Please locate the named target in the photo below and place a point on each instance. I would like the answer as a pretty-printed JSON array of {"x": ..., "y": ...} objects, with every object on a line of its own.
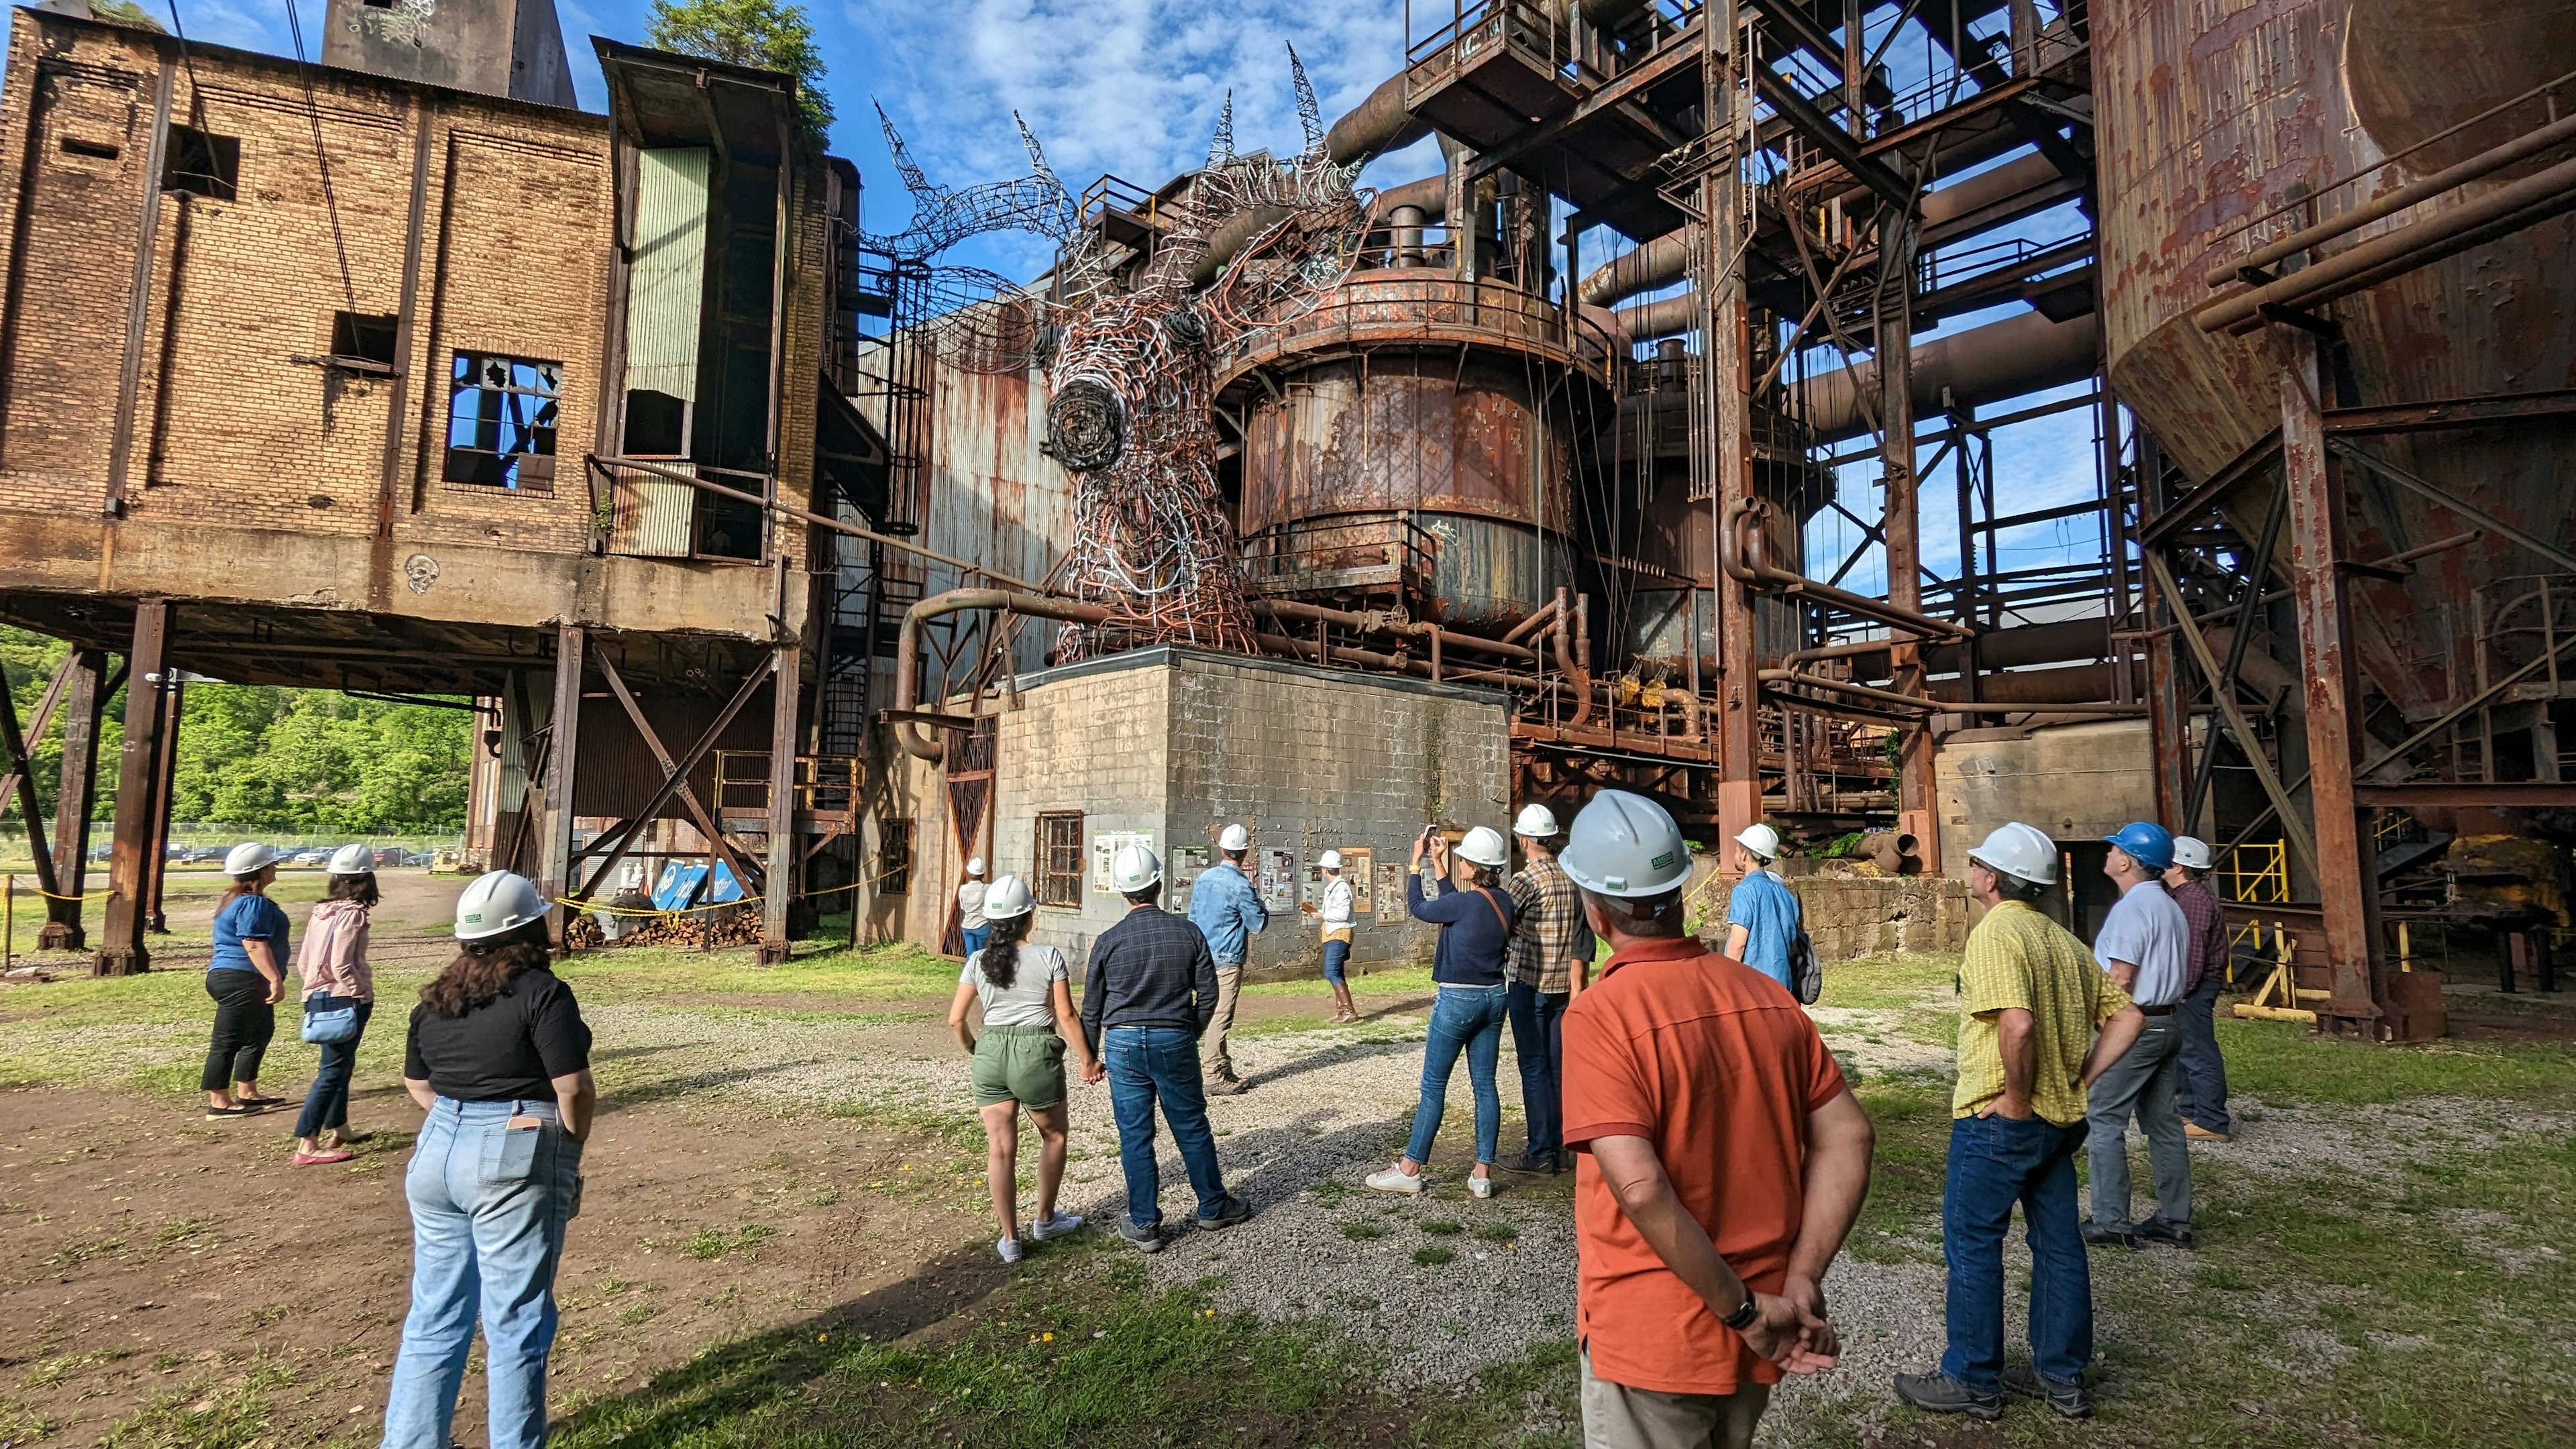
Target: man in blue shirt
[
  {"x": 2145, "y": 946},
  {"x": 1227, "y": 910},
  {"x": 1762, "y": 912}
]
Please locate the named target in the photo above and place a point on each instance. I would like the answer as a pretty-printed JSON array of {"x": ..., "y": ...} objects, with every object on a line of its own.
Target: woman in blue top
[
  {"x": 1475, "y": 919},
  {"x": 247, "y": 978}
]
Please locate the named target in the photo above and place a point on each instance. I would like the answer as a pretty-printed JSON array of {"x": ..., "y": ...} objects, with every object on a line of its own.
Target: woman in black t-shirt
[{"x": 499, "y": 1057}]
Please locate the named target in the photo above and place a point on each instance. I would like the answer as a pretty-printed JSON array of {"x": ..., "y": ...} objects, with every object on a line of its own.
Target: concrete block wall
[
  {"x": 1850, "y": 917},
  {"x": 2075, "y": 781},
  {"x": 1096, "y": 741}
]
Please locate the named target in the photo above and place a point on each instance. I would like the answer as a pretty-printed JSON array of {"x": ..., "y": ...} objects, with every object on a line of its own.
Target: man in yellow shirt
[{"x": 2030, "y": 1001}]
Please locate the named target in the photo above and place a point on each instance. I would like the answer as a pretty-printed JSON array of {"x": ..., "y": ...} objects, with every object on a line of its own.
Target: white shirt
[
  {"x": 970, "y": 904},
  {"x": 1337, "y": 902},
  {"x": 1025, "y": 1003},
  {"x": 2146, "y": 929}
]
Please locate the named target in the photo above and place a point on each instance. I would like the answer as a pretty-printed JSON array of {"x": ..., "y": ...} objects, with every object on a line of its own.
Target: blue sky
[{"x": 1134, "y": 87}]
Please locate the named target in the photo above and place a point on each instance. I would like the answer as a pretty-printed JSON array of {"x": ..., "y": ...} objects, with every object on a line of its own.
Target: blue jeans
[
  {"x": 1540, "y": 1047},
  {"x": 1468, "y": 1019},
  {"x": 975, "y": 938},
  {"x": 488, "y": 1210},
  {"x": 326, "y": 1102},
  {"x": 2204, "y": 1072},
  {"x": 1994, "y": 1163},
  {"x": 1337, "y": 957},
  {"x": 1159, "y": 1064}
]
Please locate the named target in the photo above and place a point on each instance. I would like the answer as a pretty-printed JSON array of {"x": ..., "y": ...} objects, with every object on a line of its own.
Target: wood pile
[{"x": 734, "y": 926}]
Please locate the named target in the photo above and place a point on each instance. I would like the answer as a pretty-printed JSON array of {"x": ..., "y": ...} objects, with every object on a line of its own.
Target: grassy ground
[{"x": 2386, "y": 1258}]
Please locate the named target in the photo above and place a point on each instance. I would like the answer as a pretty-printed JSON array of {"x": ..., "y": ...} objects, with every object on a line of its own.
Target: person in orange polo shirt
[{"x": 1720, "y": 1158}]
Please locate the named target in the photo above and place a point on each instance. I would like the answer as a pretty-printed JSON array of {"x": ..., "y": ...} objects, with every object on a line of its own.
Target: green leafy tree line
[{"x": 308, "y": 761}]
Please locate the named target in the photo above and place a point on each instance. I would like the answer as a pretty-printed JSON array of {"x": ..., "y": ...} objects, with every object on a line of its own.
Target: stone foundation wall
[{"x": 1849, "y": 917}]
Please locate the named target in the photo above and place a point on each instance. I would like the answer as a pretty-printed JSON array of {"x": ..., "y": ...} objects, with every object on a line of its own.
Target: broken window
[
  {"x": 201, "y": 163},
  {"x": 1060, "y": 858},
  {"x": 365, "y": 339},
  {"x": 657, "y": 424},
  {"x": 501, "y": 421},
  {"x": 894, "y": 857}
]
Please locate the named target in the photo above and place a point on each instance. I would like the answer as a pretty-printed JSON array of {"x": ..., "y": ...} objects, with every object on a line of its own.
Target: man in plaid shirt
[{"x": 1551, "y": 955}]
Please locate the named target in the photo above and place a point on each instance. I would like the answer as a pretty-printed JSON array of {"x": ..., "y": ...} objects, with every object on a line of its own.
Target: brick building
[{"x": 311, "y": 376}]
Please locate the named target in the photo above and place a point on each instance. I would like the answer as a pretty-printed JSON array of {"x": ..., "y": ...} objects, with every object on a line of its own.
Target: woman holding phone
[{"x": 1475, "y": 919}]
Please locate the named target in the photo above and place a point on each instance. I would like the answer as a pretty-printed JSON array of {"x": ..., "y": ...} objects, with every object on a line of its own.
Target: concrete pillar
[
  {"x": 778, "y": 893},
  {"x": 2346, "y": 868},
  {"x": 76, "y": 799},
  {"x": 121, "y": 951},
  {"x": 554, "y": 842}
]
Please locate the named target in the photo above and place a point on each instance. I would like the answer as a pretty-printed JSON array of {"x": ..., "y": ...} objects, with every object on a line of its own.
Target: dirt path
[{"x": 152, "y": 1264}]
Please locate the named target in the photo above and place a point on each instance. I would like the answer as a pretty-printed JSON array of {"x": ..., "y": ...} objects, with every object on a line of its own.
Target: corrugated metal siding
[
  {"x": 665, "y": 294},
  {"x": 994, "y": 497}
]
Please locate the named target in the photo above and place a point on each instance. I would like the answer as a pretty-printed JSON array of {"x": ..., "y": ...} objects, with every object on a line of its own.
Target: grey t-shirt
[
  {"x": 1025, "y": 1003},
  {"x": 2146, "y": 929}
]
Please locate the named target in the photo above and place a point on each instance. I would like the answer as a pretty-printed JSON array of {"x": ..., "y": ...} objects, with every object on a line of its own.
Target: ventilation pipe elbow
[
  {"x": 907, "y": 654},
  {"x": 1379, "y": 124}
]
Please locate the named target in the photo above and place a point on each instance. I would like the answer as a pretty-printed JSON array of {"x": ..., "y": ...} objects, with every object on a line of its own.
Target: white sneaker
[
  {"x": 1009, "y": 1248},
  {"x": 1481, "y": 1186},
  {"x": 1055, "y": 1227},
  {"x": 1396, "y": 1179}
]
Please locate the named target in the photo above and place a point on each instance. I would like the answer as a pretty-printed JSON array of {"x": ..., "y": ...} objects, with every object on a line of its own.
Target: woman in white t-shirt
[{"x": 1019, "y": 1057}]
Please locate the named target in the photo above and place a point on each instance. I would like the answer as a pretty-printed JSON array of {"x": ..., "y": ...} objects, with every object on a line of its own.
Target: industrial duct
[
  {"x": 1430, "y": 196},
  {"x": 1380, "y": 123},
  {"x": 2020, "y": 354}
]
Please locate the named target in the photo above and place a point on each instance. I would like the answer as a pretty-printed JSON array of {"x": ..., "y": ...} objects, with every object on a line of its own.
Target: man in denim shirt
[{"x": 1227, "y": 910}]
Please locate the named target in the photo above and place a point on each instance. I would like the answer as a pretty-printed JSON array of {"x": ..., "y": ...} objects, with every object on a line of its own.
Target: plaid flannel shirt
[
  {"x": 1551, "y": 931},
  {"x": 2208, "y": 921}
]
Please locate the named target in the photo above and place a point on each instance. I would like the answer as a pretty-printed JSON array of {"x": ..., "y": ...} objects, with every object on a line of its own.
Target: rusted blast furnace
[
  {"x": 2208, "y": 124},
  {"x": 1413, "y": 441}
]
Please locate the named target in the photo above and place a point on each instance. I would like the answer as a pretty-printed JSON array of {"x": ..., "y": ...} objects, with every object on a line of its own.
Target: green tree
[{"x": 763, "y": 34}]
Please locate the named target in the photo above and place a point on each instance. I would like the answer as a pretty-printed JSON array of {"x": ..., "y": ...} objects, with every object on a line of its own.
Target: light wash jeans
[
  {"x": 488, "y": 1210},
  {"x": 1468, "y": 1019}
]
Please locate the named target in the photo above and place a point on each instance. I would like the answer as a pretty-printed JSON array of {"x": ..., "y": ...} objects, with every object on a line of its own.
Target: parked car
[{"x": 315, "y": 856}]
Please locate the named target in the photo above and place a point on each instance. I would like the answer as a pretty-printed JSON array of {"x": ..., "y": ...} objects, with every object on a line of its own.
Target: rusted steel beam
[
  {"x": 21, "y": 780},
  {"x": 2462, "y": 412},
  {"x": 2446, "y": 499},
  {"x": 676, "y": 774},
  {"x": 173, "y": 703},
  {"x": 1725, "y": 476},
  {"x": 2295, "y": 831},
  {"x": 778, "y": 888},
  {"x": 2343, "y": 850},
  {"x": 2255, "y": 576},
  {"x": 688, "y": 795},
  {"x": 2483, "y": 794},
  {"x": 2196, "y": 504},
  {"x": 1832, "y": 139},
  {"x": 121, "y": 951},
  {"x": 554, "y": 847},
  {"x": 76, "y": 799}
]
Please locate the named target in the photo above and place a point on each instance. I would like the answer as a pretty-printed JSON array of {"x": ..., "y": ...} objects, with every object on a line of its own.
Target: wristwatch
[{"x": 1742, "y": 1318}]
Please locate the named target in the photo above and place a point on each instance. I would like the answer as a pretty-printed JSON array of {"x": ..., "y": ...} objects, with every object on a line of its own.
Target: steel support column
[
  {"x": 75, "y": 799},
  {"x": 2343, "y": 849},
  {"x": 173, "y": 700},
  {"x": 1917, "y": 809},
  {"x": 778, "y": 891},
  {"x": 563, "y": 739},
  {"x": 121, "y": 951},
  {"x": 2169, "y": 720},
  {"x": 1727, "y": 422}
]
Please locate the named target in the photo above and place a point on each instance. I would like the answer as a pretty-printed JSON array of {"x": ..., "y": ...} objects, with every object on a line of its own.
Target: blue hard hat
[{"x": 2147, "y": 843}]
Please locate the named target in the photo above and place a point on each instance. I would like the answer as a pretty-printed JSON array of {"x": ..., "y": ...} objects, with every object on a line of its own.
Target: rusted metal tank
[
  {"x": 1414, "y": 434},
  {"x": 2211, "y": 115}
]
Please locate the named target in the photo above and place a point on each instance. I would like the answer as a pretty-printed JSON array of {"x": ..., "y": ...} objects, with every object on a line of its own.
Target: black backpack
[{"x": 1804, "y": 970}]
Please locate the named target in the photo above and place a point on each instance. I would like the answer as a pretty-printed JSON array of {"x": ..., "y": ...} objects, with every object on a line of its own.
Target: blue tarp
[{"x": 680, "y": 881}]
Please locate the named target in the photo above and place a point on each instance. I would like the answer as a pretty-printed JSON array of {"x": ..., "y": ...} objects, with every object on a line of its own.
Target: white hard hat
[
  {"x": 2019, "y": 850},
  {"x": 976, "y": 867},
  {"x": 1762, "y": 840},
  {"x": 1235, "y": 837},
  {"x": 1007, "y": 898},
  {"x": 1536, "y": 821},
  {"x": 248, "y": 858},
  {"x": 352, "y": 860},
  {"x": 1330, "y": 860},
  {"x": 502, "y": 901},
  {"x": 1627, "y": 846},
  {"x": 1485, "y": 846},
  {"x": 1132, "y": 869}
]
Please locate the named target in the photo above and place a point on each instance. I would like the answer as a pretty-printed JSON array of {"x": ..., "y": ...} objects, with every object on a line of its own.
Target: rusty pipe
[
  {"x": 1386, "y": 623},
  {"x": 907, "y": 649},
  {"x": 1430, "y": 196},
  {"x": 1580, "y": 672},
  {"x": 1231, "y": 238},
  {"x": 1941, "y": 706},
  {"x": 1380, "y": 123},
  {"x": 1290, "y": 644},
  {"x": 2501, "y": 212},
  {"x": 1658, "y": 263},
  {"x": 1743, "y": 561},
  {"x": 1542, "y": 615},
  {"x": 2529, "y": 144}
]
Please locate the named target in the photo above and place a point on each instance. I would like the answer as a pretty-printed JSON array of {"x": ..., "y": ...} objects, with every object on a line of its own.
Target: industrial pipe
[
  {"x": 907, "y": 649},
  {"x": 1744, "y": 562},
  {"x": 1380, "y": 123},
  {"x": 2529, "y": 144},
  {"x": 1430, "y": 196},
  {"x": 1660, "y": 262},
  {"x": 1231, "y": 238},
  {"x": 1372, "y": 623},
  {"x": 2019, "y": 354},
  {"x": 2501, "y": 212},
  {"x": 1941, "y": 706}
]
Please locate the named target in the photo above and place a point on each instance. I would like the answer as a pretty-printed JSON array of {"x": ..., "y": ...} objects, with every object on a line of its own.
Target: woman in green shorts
[{"x": 1019, "y": 1059}]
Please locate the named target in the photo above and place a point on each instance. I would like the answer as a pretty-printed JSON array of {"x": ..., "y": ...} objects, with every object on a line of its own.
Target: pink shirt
[{"x": 334, "y": 957}]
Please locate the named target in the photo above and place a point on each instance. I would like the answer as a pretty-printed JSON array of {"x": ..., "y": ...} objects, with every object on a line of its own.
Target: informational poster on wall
[
  {"x": 1178, "y": 873},
  {"x": 1390, "y": 894},
  {"x": 1355, "y": 869},
  {"x": 1277, "y": 882},
  {"x": 1105, "y": 846}
]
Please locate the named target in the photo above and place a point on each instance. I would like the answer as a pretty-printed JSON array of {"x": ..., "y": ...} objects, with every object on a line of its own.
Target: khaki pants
[
  {"x": 1618, "y": 1417},
  {"x": 1213, "y": 1060}
]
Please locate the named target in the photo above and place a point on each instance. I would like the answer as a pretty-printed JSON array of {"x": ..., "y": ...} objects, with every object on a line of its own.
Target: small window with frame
[
  {"x": 894, "y": 857},
  {"x": 364, "y": 340},
  {"x": 1060, "y": 858},
  {"x": 501, "y": 414},
  {"x": 201, "y": 163}
]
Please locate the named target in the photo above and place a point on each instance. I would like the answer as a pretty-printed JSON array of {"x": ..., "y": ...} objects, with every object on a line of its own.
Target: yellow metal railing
[{"x": 2257, "y": 873}]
